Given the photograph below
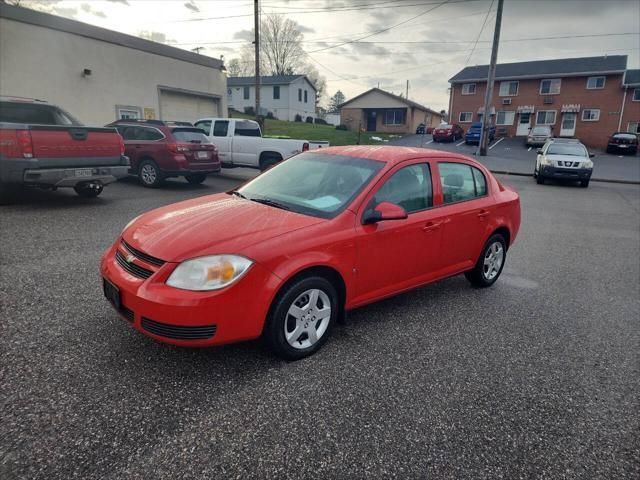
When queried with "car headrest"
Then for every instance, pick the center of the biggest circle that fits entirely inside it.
(454, 180)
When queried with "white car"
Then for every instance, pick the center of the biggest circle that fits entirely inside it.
(565, 159)
(240, 143)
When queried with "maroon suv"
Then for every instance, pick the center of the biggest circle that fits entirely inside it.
(161, 149)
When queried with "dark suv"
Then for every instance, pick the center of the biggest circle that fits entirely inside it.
(161, 149)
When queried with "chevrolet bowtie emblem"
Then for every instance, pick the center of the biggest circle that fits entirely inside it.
(130, 258)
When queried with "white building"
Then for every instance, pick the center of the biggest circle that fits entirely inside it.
(99, 75)
(285, 96)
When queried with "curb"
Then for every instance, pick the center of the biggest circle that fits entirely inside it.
(593, 179)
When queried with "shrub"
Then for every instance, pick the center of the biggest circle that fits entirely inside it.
(309, 120)
(270, 115)
(249, 110)
(320, 121)
(341, 127)
(297, 118)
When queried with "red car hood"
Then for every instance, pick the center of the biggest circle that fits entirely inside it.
(210, 225)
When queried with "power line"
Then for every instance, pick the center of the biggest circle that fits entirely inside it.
(479, 34)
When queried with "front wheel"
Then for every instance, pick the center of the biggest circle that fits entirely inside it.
(490, 264)
(584, 183)
(196, 178)
(149, 174)
(301, 318)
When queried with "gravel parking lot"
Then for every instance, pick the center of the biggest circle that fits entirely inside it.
(536, 377)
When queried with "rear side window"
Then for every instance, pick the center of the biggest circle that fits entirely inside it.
(140, 133)
(247, 129)
(461, 182)
(221, 128)
(34, 114)
(410, 187)
(189, 135)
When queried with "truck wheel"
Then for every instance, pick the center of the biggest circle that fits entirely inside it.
(89, 190)
(268, 160)
(540, 179)
(149, 174)
(196, 178)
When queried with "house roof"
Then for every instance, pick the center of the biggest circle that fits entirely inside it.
(266, 80)
(544, 68)
(61, 24)
(396, 97)
(632, 77)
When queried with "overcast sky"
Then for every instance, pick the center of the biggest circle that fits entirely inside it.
(447, 31)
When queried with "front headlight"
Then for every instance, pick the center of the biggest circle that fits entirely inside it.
(587, 164)
(209, 273)
(546, 161)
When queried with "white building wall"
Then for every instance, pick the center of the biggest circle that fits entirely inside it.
(285, 108)
(47, 64)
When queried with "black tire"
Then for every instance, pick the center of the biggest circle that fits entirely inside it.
(7, 193)
(149, 174)
(196, 178)
(477, 276)
(539, 179)
(584, 183)
(274, 331)
(88, 191)
(268, 160)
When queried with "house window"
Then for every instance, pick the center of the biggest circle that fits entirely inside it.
(636, 95)
(633, 127)
(246, 93)
(465, 117)
(595, 83)
(128, 113)
(394, 117)
(590, 115)
(546, 117)
(550, 87)
(508, 89)
(505, 118)
(276, 92)
(305, 96)
(299, 94)
(469, 89)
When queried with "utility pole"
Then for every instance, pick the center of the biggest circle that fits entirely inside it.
(490, 81)
(407, 94)
(256, 17)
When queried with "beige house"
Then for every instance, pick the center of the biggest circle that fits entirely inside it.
(99, 75)
(378, 111)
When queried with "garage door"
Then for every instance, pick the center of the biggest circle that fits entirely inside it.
(187, 108)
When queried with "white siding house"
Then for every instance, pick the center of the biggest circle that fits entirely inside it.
(285, 96)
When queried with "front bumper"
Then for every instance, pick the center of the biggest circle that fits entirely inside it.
(187, 318)
(536, 142)
(576, 174)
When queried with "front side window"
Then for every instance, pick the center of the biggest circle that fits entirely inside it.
(245, 94)
(590, 115)
(594, 83)
(505, 118)
(410, 187)
(276, 92)
(204, 125)
(546, 117)
(394, 117)
(466, 117)
(508, 89)
(550, 87)
(461, 182)
(313, 183)
(468, 89)
(221, 128)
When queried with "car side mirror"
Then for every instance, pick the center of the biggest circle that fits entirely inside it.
(591, 155)
(384, 211)
(539, 151)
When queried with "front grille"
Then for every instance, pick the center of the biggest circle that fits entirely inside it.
(178, 332)
(126, 313)
(142, 256)
(132, 268)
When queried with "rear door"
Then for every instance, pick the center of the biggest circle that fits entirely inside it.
(221, 138)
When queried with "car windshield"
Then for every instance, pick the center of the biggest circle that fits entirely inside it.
(314, 184)
(540, 131)
(189, 135)
(574, 149)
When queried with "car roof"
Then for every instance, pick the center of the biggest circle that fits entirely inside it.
(390, 154)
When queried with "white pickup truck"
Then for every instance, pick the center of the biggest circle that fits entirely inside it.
(240, 143)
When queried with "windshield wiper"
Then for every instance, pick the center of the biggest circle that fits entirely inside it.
(238, 194)
(271, 203)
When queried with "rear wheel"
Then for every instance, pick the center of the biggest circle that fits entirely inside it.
(149, 174)
(301, 318)
(268, 160)
(196, 178)
(7, 193)
(490, 264)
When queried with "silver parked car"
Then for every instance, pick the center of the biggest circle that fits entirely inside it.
(564, 159)
(538, 136)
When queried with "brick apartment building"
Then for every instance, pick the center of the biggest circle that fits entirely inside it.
(586, 98)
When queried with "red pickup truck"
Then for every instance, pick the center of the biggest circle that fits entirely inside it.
(43, 146)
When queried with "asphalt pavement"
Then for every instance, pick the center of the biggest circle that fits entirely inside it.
(510, 155)
(536, 377)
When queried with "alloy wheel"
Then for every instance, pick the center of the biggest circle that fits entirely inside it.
(307, 319)
(148, 174)
(493, 259)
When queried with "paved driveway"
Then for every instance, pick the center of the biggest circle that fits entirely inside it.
(511, 155)
(536, 377)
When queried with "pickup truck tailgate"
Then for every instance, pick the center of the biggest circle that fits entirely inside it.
(57, 145)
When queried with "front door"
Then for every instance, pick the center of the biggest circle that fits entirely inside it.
(568, 127)
(396, 254)
(371, 121)
(524, 124)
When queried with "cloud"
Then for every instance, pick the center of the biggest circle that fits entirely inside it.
(244, 35)
(192, 6)
(89, 9)
(123, 2)
(159, 37)
(302, 29)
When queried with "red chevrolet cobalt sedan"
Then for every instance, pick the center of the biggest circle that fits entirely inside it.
(287, 254)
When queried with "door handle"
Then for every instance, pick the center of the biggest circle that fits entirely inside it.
(483, 213)
(429, 227)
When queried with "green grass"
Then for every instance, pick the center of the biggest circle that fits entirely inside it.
(311, 131)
